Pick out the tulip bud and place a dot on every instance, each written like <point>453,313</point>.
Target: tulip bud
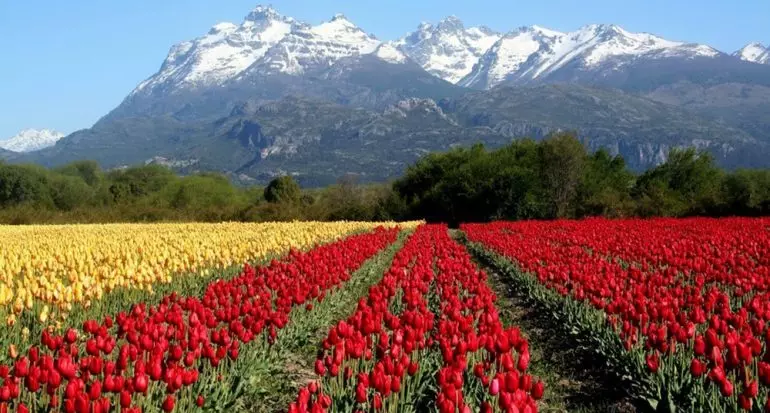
<point>320,369</point>
<point>125,399</point>
<point>494,387</point>
<point>168,404</point>
<point>726,388</point>
<point>697,368</point>
<point>537,390</point>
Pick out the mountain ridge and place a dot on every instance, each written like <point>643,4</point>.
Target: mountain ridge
<point>275,95</point>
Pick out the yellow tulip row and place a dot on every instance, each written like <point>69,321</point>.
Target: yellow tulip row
<point>59,266</point>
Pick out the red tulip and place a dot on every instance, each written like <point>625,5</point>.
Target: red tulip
<point>168,403</point>
<point>537,390</point>
<point>697,368</point>
<point>125,399</point>
<point>652,362</point>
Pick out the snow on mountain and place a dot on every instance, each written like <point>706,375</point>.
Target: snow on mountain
<point>389,52</point>
<point>755,53</point>
<point>447,50</point>
<point>267,43</point>
<point>223,53</point>
<point>316,47</point>
<point>507,56</point>
<point>534,52</point>
<point>30,140</point>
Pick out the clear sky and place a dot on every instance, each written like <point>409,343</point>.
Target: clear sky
<point>64,64</point>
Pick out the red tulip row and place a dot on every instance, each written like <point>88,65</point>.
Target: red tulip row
<point>689,293</point>
<point>431,319</point>
<point>733,251</point>
<point>129,359</point>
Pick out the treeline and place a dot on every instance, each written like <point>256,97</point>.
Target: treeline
<point>81,192</point>
<point>559,178</point>
<point>553,178</point>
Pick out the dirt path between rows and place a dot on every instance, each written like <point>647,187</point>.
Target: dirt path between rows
<point>574,378</point>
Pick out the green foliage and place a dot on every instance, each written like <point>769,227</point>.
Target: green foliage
<point>69,192</point>
<point>23,184</point>
<point>562,158</point>
<point>558,178</point>
<point>522,180</point>
<point>688,183</point>
<point>88,171</point>
<point>82,192</point>
<point>605,187</point>
<point>141,181</point>
<point>283,189</point>
<point>526,179</point>
<point>747,192</point>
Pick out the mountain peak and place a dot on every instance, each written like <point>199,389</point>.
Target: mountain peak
<point>450,23</point>
<point>261,12</point>
<point>315,47</point>
<point>222,54</point>
<point>340,16</point>
<point>448,50</point>
<point>604,27</point>
<point>30,140</point>
<point>754,52</point>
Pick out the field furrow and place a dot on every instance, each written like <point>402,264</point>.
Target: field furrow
<point>685,329</point>
<point>186,349</point>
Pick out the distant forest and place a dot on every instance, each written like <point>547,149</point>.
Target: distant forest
<point>553,178</point>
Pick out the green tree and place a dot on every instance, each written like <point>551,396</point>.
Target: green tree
<point>70,192</point>
<point>688,183</point>
<point>23,184</point>
<point>747,192</point>
<point>563,158</point>
<point>605,187</point>
<point>283,189</point>
<point>144,180</point>
<point>88,171</point>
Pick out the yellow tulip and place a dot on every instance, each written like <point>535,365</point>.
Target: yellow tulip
<point>64,265</point>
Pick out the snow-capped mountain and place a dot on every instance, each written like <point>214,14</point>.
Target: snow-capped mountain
<point>315,47</point>
<point>265,43</point>
<point>30,140</point>
<point>755,53</point>
<point>531,53</point>
<point>222,54</point>
<point>447,50</point>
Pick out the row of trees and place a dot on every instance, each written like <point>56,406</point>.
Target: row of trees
<point>553,178</point>
<point>82,192</point>
<point>559,178</point>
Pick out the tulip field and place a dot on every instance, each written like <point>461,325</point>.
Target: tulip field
<point>678,308</point>
<point>52,268</point>
<point>378,316</point>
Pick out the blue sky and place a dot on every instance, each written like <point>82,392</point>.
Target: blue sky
<point>67,63</point>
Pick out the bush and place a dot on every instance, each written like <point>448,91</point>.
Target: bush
<point>283,189</point>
